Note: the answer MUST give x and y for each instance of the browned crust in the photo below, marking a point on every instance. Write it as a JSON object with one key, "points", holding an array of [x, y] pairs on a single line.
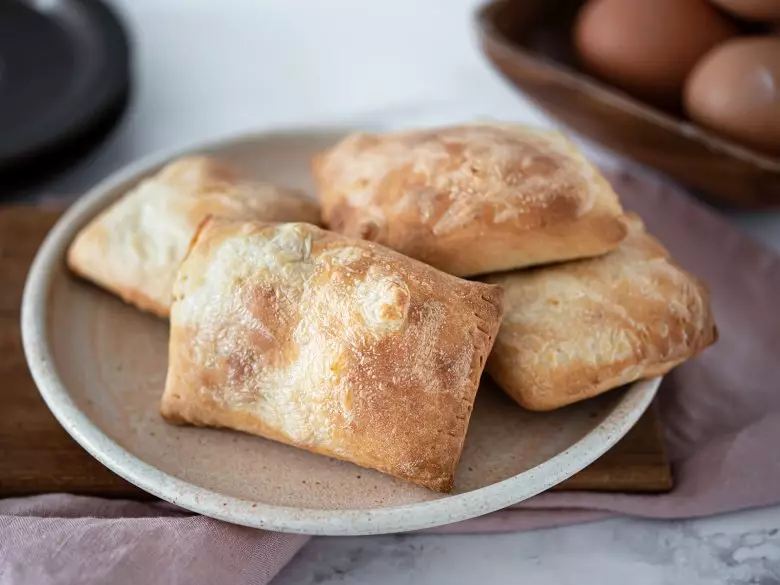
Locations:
{"points": [[404, 422], [660, 338], [551, 222]]}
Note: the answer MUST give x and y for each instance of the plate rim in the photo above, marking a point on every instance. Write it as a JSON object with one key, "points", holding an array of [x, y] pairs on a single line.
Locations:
{"points": [[342, 522]]}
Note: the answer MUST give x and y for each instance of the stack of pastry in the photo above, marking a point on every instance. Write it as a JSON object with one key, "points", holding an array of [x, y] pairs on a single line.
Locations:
{"points": [[367, 342]]}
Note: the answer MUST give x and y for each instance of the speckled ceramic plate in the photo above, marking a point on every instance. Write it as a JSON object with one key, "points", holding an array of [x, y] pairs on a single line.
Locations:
{"points": [[100, 366]]}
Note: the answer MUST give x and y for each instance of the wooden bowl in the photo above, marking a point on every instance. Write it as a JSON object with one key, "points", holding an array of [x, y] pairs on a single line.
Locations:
{"points": [[529, 41]]}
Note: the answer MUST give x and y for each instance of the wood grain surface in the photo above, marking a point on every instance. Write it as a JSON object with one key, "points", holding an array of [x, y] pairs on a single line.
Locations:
{"points": [[37, 456]]}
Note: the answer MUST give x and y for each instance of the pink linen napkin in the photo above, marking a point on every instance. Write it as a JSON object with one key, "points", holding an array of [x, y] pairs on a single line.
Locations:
{"points": [[721, 412]]}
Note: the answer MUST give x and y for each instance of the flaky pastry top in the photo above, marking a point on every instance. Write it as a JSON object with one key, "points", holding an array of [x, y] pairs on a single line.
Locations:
{"points": [[336, 345], [135, 246]]}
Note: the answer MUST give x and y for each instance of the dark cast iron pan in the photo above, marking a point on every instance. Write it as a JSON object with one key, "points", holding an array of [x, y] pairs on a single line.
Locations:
{"points": [[64, 82]]}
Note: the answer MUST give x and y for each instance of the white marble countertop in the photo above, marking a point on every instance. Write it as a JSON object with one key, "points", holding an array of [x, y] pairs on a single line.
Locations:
{"points": [[204, 69], [735, 549]]}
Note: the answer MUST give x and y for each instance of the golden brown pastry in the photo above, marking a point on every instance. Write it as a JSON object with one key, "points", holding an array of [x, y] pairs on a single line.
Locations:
{"points": [[576, 330], [470, 199], [134, 247], [338, 346]]}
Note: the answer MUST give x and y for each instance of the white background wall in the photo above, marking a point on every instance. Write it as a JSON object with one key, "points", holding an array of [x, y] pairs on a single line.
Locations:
{"points": [[207, 68]]}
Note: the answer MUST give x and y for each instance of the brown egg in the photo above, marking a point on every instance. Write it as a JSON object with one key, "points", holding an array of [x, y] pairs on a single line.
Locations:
{"points": [[648, 47], [768, 10], [735, 90]]}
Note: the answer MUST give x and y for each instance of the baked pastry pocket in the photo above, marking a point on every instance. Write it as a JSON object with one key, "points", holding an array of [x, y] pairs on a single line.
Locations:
{"points": [[334, 345], [470, 199], [135, 246], [575, 330]]}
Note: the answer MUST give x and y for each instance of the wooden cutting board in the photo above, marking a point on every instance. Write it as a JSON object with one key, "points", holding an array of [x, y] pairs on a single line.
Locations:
{"points": [[37, 456]]}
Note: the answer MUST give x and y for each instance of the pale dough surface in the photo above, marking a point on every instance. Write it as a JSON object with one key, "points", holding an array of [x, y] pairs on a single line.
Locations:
{"points": [[135, 246], [332, 344], [575, 330]]}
